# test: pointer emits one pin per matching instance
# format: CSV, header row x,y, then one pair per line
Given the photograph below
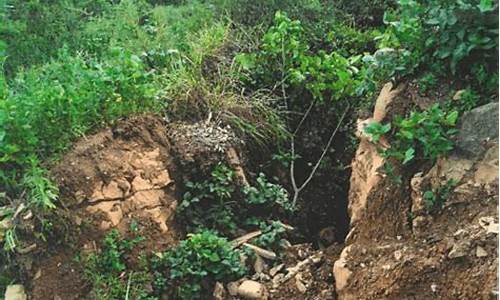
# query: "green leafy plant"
x,y
105,269
436,199
376,130
208,204
285,51
465,100
427,133
268,195
427,83
190,269
435,31
272,235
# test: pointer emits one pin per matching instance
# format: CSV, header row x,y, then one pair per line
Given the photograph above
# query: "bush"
x,y
196,264
214,203
426,133
49,106
268,196
442,33
34,31
208,204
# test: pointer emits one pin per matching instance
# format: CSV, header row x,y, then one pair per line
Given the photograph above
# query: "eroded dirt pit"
x,y
132,174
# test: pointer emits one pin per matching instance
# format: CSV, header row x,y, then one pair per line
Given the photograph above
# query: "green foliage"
x,y
42,192
268,196
49,106
466,100
428,132
33,31
285,51
214,203
208,204
195,264
427,83
435,199
104,270
376,130
433,31
271,237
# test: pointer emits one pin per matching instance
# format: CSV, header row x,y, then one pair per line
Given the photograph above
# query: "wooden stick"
x,y
245,238
262,252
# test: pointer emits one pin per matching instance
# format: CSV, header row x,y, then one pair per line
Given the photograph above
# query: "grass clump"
x,y
109,274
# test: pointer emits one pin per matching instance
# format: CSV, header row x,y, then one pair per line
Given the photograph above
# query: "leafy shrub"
x,y
465,100
286,58
49,106
428,132
376,130
195,264
268,196
214,203
437,31
427,83
208,204
271,237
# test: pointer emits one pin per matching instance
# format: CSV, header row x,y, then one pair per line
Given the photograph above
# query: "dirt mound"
x,y
113,179
397,249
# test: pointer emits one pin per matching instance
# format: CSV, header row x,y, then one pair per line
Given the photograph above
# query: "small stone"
x,y
480,252
252,290
15,292
300,285
398,254
38,274
232,288
459,233
457,251
259,265
434,287
277,279
399,237
219,292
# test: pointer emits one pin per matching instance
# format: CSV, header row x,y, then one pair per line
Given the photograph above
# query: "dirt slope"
x,y
396,249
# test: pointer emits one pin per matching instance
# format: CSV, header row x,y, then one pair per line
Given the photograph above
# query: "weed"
x,y
195,264
207,204
268,196
271,237
428,132
436,199
427,83
376,130
465,100
104,270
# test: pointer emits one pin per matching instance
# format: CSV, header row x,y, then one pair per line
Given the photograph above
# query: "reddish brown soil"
x,y
119,176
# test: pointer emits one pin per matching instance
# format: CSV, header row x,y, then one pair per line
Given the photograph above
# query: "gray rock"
x,y
15,292
476,127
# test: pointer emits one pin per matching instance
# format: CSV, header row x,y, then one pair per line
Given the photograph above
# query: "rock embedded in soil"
x,y
252,290
476,127
15,292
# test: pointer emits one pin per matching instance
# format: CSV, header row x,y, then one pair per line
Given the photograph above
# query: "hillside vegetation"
x,y
289,78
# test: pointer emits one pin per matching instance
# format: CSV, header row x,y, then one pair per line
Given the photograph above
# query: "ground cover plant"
x,y
290,78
